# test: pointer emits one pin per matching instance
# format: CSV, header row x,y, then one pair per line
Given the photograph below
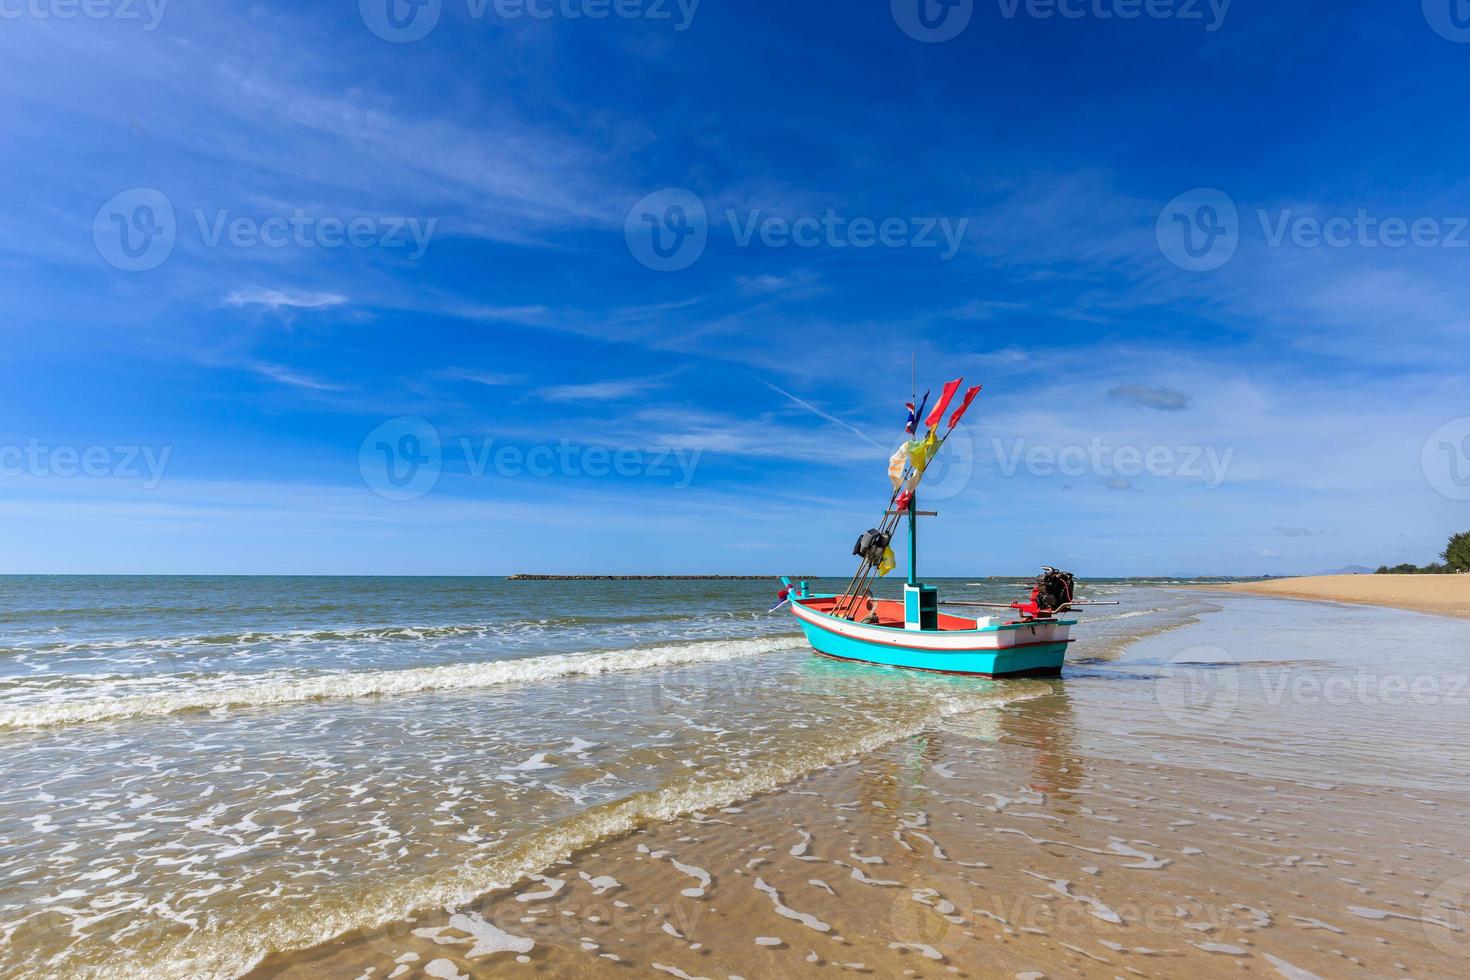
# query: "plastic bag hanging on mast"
x,y
921,454
897,464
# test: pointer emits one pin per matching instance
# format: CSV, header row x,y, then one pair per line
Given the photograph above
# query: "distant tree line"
x,y
1456,558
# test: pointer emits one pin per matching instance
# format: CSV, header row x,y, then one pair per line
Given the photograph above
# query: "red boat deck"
x,y
888,612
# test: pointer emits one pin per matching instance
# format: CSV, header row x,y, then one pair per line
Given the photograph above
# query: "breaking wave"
x,y
274,688
371,634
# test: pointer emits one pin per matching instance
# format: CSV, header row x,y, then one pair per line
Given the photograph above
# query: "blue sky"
x,y
253,253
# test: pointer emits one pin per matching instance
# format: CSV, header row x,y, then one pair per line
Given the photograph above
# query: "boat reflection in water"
x,y
1033,716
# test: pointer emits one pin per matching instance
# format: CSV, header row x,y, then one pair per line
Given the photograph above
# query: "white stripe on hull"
x,y
996,638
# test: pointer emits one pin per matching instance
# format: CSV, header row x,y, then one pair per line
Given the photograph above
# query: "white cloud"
x,y
497,314
489,379
824,415
602,390
1159,399
291,377
283,299
797,285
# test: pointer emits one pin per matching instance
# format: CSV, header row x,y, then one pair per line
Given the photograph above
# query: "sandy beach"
x,y
951,855
1202,805
1218,785
1445,595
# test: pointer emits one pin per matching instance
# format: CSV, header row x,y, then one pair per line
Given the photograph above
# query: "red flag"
x,y
959,413
903,500
943,403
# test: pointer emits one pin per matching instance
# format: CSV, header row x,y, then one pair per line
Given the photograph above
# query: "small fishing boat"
x,y
950,644
912,633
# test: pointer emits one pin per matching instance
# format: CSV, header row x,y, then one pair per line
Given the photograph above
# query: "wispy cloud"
x,y
1159,399
739,436
795,285
823,415
489,379
291,377
282,299
1001,357
499,314
602,391
986,309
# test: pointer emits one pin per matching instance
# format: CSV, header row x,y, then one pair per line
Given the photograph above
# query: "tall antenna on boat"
x,y
913,497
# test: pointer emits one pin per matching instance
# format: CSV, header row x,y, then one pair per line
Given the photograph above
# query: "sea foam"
x,y
274,688
233,952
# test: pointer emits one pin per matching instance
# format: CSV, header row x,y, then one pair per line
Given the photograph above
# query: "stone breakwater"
x,y
647,578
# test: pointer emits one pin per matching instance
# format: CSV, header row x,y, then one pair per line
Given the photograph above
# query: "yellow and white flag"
x,y
921,451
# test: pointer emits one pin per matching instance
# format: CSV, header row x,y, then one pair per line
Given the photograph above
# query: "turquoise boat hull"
x,y
1022,649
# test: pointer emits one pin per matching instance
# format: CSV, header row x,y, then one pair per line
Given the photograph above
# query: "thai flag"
x,y
914,414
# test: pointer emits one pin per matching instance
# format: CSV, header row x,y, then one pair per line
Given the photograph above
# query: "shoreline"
x,y
1441,595
783,814
992,844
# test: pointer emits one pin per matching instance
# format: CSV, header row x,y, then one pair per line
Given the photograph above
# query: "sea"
x,y
202,772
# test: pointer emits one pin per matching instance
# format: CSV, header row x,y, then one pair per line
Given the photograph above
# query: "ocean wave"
x,y
235,951
370,634
1109,646
273,688
1130,614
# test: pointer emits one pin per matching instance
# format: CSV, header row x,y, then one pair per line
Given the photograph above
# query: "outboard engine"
x,y
1054,589
1052,592
871,545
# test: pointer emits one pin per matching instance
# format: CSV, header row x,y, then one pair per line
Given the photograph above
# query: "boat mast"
x,y
913,544
914,498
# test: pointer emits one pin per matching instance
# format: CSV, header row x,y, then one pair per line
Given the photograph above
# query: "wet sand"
x,y
1177,812
1445,595
979,853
